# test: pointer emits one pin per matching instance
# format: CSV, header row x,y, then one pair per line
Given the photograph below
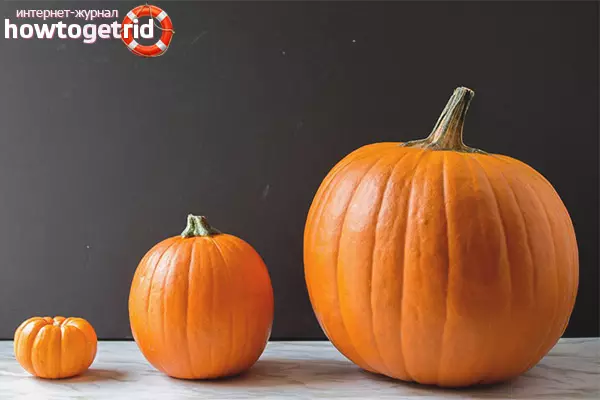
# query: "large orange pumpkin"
x,y
56,347
201,304
434,262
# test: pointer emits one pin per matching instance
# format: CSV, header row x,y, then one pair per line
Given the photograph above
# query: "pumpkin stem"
x,y
198,226
447,134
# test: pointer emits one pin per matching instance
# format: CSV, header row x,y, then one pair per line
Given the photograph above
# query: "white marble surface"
x,y
297,370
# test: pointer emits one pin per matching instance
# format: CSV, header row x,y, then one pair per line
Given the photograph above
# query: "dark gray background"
x,y
103,153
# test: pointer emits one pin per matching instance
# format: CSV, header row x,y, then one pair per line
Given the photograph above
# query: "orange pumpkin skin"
x,y
201,306
442,267
56,347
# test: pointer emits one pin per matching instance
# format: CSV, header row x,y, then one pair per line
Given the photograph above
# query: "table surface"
x,y
298,370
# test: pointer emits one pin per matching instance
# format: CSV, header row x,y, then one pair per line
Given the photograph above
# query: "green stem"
x,y
198,226
447,134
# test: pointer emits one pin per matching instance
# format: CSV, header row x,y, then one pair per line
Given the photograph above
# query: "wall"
x,y
103,153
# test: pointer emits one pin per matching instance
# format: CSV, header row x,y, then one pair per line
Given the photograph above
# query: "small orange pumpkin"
x,y
56,347
201,304
434,262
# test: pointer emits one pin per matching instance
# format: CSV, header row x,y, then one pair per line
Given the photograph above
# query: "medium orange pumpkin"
x,y
56,347
434,262
201,304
